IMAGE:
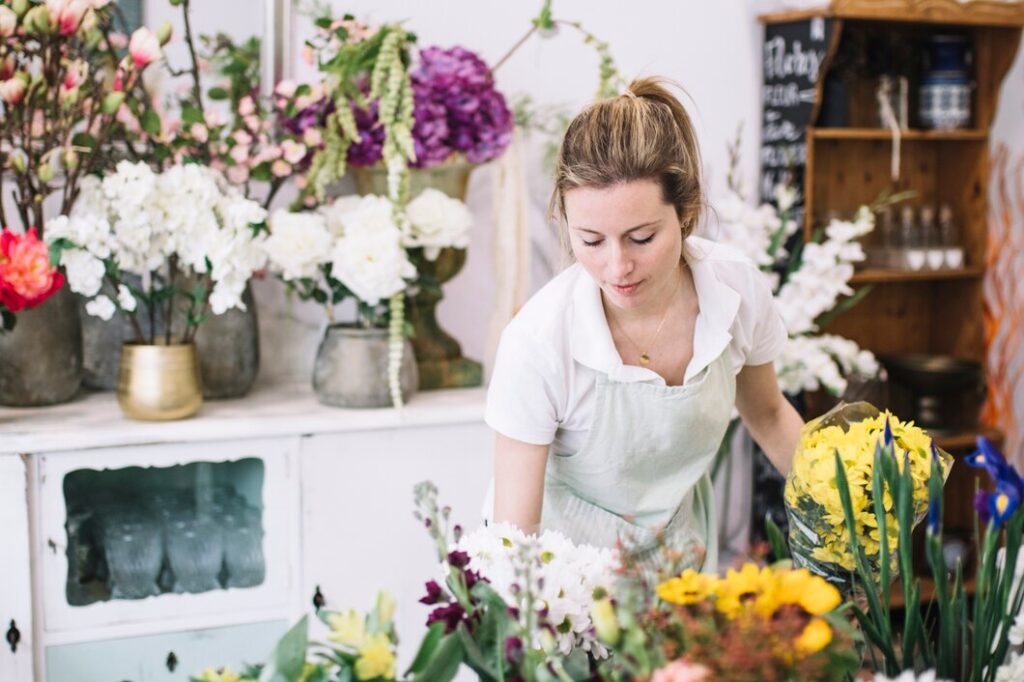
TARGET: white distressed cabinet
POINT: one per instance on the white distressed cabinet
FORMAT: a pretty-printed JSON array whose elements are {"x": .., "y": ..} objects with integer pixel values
[{"x": 332, "y": 490}]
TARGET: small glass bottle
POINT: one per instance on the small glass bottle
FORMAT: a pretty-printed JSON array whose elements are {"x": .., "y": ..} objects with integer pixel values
[
  {"x": 935, "y": 254},
  {"x": 953, "y": 250},
  {"x": 913, "y": 250},
  {"x": 889, "y": 252}
]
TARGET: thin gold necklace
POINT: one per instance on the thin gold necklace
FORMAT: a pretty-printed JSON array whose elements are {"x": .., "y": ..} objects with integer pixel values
[{"x": 645, "y": 356}]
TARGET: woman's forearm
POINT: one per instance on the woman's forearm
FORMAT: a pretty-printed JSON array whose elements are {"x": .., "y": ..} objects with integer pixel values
[{"x": 519, "y": 483}]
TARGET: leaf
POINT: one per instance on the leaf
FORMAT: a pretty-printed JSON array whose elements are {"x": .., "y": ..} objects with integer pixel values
[
  {"x": 150, "y": 122},
  {"x": 289, "y": 655},
  {"x": 444, "y": 663},
  {"x": 84, "y": 140},
  {"x": 825, "y": 318},
  {"x": 217, "y": 93},
  {"x": 191, "y": 114},
  {"x": 777, "y": 540},
  {"x": 427, "y": 647}
]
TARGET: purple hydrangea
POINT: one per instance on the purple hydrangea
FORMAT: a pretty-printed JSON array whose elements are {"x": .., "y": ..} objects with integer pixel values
[
  {"x": 370, "y": 147},
  {"x": 457, "y": 108}
]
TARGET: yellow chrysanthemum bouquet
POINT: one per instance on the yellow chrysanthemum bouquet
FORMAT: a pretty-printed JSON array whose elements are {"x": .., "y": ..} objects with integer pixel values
[
  {"x": 751, "y": 623},
  {"x": 866, "y": 441}
]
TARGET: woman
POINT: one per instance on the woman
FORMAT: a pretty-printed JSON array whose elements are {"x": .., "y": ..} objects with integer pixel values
[{"x": 613, "y": 386}]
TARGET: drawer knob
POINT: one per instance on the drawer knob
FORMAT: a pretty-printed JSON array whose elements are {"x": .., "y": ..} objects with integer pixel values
[
  {"x": 318, "y": 599},
  {"x": 172, "y": 661},
  {"x": 13, "y": 636}
]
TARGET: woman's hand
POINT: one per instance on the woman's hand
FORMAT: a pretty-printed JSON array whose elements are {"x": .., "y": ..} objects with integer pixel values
[
  {"x": 519, "y": 482},
  {"x": 769, "y": 417}
]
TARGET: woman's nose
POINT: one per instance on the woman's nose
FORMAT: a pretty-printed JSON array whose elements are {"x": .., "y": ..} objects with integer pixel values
[{"x": 621, "y": 264}]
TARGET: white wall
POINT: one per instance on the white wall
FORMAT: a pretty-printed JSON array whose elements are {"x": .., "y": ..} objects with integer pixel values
[{"x": 711, "y": 48}]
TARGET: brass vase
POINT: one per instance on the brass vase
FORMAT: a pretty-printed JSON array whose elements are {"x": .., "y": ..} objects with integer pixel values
[
  {"x": 158, "y": 382},
  {"x": 438, "y": 355}
]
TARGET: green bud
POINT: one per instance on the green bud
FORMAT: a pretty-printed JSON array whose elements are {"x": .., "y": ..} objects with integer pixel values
[
  {"x": 112, "y": 102},
  {"x": 70, "y": 159},
  {"x": 18, "y": 163},
  {"x": 45, "y": 172},
  {"x": 19, "y": 7},
  {"x": 164, "y": 33},
  {"x": 37, "y": 21},
  {"x": 175, "y": 3}
]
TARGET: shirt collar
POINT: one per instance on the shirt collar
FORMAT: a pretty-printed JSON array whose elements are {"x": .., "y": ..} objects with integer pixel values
[{"x": 592, "y": 343}]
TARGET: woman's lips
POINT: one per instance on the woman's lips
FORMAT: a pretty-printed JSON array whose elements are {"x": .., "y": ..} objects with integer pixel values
[{"x": 625, "y": 289}]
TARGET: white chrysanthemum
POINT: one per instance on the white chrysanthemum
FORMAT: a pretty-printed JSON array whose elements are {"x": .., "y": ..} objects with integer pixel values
[
  {"x": 84, "y": 271},
  {"x": 437, "y": 221},
  {"x": 569, "y": 575},
  {"x": 101, "y": 307},
  {"x": 298, "y": 244},
  {"x": 369, "y": 258}
]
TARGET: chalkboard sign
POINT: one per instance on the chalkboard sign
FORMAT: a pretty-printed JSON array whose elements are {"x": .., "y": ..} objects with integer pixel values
[{"x": 794, "y": 52}]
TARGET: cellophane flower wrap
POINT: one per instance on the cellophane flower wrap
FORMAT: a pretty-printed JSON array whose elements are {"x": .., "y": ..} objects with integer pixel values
[{"x": 818, "y": 535}]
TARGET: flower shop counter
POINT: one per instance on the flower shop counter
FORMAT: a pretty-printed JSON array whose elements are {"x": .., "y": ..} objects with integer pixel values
[{"x": 111, "y": 522}]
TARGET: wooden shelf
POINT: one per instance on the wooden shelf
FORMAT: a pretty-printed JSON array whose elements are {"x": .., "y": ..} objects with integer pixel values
[
  {"x": 882, "y": 275},
  {"x": 966, "y": 135},
  {"x": 927, "y": 591},
  {"x": 966, "y": 441},
  {"x": 978, "y": 12}
]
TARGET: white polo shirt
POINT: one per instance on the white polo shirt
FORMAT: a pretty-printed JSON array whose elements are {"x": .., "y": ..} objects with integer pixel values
[{"x": 542, "y": 389}]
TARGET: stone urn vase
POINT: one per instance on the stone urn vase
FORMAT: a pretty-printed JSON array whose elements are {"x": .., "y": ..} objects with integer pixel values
[
  {"x": 438, "y": 355},
  {"x": 41, "y": 358},
  {"x": 351, "y": 368}
]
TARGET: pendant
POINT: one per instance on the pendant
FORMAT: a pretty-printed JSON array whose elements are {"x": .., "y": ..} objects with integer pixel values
[{"x": 644, "y": 360}]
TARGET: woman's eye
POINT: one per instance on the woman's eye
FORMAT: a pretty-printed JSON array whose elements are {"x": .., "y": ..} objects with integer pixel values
[
  {"x": 646, "y": 240},
  {"x": 593, "y": 243}
]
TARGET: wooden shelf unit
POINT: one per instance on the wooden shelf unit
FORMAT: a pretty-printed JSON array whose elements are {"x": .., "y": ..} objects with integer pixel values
[
  {"x": 882, "y": 275},
  {"x": 906, "y": 135}
]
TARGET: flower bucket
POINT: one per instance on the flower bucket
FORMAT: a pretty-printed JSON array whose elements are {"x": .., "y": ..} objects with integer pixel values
[
  {"x": 159, "y": 382},
  {"x": 351, "y": 368},
  {"x": 41, "y": 358}
]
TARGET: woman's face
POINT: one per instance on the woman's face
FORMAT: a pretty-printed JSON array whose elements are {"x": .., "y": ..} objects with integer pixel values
[{"x": 628, "y": 239}]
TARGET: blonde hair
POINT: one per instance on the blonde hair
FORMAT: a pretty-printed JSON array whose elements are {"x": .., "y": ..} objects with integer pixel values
[{"x": 643, "y": 134}]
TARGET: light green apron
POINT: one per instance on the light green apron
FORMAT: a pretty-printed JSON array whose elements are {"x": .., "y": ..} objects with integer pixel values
[{"x": 644, "y": 468}]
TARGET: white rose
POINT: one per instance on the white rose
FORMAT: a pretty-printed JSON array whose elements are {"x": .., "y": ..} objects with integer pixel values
[
  {"x": 438, "y": 221},
  {"x": 101, "y": 307},
  {"x": 335, "y": 212},
  {"x": 298, "y": 244},
  {"x": 371, "y": 261}
]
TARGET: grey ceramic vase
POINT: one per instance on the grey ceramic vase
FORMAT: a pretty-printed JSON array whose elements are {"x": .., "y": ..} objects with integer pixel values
[
  {"x": 41, "y": 359},
  {"x": 351, "y": 368},
  {"x": 228, "y": 346}
]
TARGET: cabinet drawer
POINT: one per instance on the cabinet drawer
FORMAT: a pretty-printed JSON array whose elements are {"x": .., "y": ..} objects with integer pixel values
[{"x": 144, "y": 659}]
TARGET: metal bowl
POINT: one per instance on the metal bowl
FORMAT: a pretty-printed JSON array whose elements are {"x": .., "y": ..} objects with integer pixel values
[{"x": 933, "y": 374}]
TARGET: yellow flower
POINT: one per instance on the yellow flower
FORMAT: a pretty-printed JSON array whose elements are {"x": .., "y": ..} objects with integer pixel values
[
  {"x": 225, "y": 675},
  {"x": 385, "y": 608},
  {"x": 688, "y": 588},
  {"x": 740, "y": 588},
  {"x": 602, "y": 613},
  {"x": 815, "y": 637},
  {"x": 347, "y": 628},
  {"x": 376, "y": 659}
]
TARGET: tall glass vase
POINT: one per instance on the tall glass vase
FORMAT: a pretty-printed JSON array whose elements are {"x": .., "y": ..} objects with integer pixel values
[
  {"x": 438, "y": 355},
  {"x": 41, "y": 359}
]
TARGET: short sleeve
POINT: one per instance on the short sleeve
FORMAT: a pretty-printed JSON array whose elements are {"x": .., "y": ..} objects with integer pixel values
[
  {"x": 522, "y": 398},
  {"x": 769, "y": 333}
]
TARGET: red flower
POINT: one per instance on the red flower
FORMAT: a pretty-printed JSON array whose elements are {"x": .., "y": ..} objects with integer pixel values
[{"x": 26, "y": 278}]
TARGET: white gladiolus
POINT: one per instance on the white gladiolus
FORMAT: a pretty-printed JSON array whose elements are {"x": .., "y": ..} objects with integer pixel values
[{"x": 437, "y": 221}]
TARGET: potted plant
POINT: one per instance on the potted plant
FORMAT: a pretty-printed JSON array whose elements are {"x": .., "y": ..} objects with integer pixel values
[
  {"x": 190, "y": 240},
  {"x": 405, "y": 120},
  {"x": 364, "y": 248},
  {"x": 62, "y": 83}
]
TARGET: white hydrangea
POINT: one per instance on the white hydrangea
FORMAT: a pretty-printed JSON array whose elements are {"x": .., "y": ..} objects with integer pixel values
[
  {"x": 437, "y": 221},
  {"x": 101, "y": 307},
  {"x": 1012, "y": 670},
  {"x": 571, "y": 573},
  {"x": 136, "y": 219},
  {"x": 910, "y": 676},
  {"x": 125, "y": 298},
  {"x": 369, "y": 258}
]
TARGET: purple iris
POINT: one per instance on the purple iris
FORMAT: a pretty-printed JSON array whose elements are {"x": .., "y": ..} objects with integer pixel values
[{"x": 1001, "y": 504}]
